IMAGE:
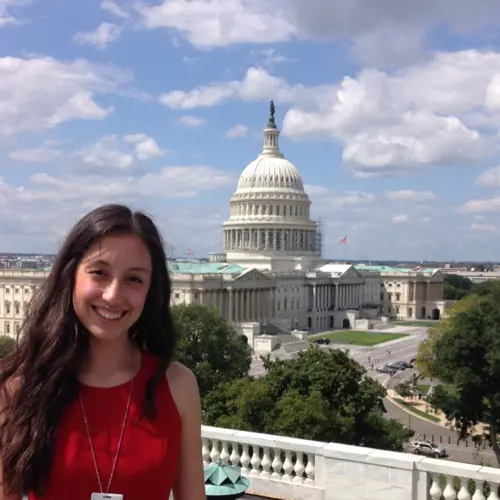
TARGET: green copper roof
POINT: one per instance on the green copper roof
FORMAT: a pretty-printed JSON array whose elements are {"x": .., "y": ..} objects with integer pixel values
[
  {"x": 223, "y": 480},
  {"x": 204, "y": 268},
  {"x": 389, "y": 269}
]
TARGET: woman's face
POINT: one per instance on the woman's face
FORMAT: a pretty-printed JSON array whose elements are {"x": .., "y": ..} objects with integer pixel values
[{"x": 111, "y": 285}]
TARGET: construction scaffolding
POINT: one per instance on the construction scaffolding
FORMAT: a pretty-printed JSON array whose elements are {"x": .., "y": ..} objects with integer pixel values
[{"x": 319, "y": 237}]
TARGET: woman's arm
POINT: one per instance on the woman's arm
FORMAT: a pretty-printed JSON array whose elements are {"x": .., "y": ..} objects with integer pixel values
[{"x": 190, "y": 481}]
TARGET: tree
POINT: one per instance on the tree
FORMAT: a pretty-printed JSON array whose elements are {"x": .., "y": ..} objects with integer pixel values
[
  {"x": 6, "y": 345},
  {"x": 463, "y": 353},
  {"x": 405, "y": 389},
  {"x": 209, "y": 346},
  {"x": 456, "y": 287},
  {"x": 321, "y": 395}
]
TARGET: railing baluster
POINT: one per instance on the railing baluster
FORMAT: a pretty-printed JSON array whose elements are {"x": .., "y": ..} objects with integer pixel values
[
  {"x": 205, "y": 451},
  {"x": 479, "y": 493},
  {"x": 288, "y": 467},
  {"x": 277, "y": 464},
  {"x": 299, "y": 468},
  {"x": 266, "y": 463},
  {"x": 245, "y": 460},
  {"x": 435, "y": 492},
  {"x": 464, "y": 494},
  {"x": 449, "y": 492},
  {"x": 255, "y": 461},
  {"x": 224, "y": 454},
  {"x": 235, "y": 455},
  {"x": 214, "y": 453}
]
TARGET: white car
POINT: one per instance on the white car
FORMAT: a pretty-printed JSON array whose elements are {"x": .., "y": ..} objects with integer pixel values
[{"x": 427, "y": 448}]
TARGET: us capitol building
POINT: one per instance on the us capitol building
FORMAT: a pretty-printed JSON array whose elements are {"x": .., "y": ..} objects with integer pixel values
[{"x": 270, "y": 276}]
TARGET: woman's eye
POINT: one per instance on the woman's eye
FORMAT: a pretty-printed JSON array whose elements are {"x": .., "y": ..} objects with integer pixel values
[
  {"x": 96, "y": 272},
  {"x": 136, "y": 279}
]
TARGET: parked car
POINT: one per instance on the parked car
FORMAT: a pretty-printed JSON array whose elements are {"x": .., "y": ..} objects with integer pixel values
[
  {"x": 427, "y": 448},
  {"x": 399, "y": 365},
  {"x": 385, "y": 369},
  {"x": 322, "y": 341}
]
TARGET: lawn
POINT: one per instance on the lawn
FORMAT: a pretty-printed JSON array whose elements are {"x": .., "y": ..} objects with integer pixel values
[
  {"x": 416, "y": 411},
  {"x": 360, "y": 338},
  {"x": 416, "y": 323},
  {"x": 424, "y": 388}
]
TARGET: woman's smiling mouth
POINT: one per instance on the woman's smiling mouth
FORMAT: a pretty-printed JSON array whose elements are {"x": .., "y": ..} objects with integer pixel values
[{"x": 107, "y": 315}]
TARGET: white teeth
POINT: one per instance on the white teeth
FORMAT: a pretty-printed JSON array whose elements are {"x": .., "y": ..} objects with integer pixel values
[{"x": 106, "y": 315}]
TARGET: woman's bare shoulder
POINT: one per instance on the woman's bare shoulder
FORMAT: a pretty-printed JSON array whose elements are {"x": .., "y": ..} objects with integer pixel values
[{"x": 183, "y": 386}]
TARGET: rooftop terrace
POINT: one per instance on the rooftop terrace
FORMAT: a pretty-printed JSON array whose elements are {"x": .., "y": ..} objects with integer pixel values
[{"x": 289, "y": 468}]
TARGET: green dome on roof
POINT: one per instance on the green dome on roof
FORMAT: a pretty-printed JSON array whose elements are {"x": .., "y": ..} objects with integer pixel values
[{"x": 224, "y": 481}]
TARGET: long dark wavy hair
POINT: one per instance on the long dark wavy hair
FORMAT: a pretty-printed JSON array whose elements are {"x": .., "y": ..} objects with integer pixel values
[{"x": 39, "y": 377}]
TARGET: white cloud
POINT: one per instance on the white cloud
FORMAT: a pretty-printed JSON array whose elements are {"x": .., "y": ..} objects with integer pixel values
[
  {"x": 367, "y": 25},
  {"x": 189, "y": 61},
  {"x": 481, "y": 206},
  {"x": 490, "y": 178},
  {"x": 400, "y": 219},
  {"x": 257, "y": 85},
  {"x": 324, "y": 199},
  {"x": 269, "y": 58},
  {"x": 482, "y": 227},
  {"x": 105, "y": 155},
  {"x": 169, "y": 182},
  {"x": 237, "y": 132},
  {"x": 40, "y": 93},
  {"x": 217, "y": 23},
  {"x": 101, "y": 37},
  {"x": 135, "y": 138},
  {"x": 148, "y": 149},
  {"x": 191, "y": 121},
  {"x": 113, "y": 8},
  {"x": 28, "y": 227},
  {"x": 35, "y": 155},
  {"x": 413, "y": 196},
  {"x": 419, "y": 116},
  {"x": 6, "y": 7},
  {"x": 111, "y": 154}
]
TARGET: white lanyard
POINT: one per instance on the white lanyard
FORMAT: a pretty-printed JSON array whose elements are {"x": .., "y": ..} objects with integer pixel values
[{"x": 120, "y": 441}]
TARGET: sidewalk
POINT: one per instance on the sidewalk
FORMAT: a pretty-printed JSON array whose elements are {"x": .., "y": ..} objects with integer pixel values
[{"x": 424, "y": 407}]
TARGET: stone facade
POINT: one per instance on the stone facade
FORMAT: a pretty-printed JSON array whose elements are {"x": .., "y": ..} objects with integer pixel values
[
  {"x": 17, "y": 288},
  {"x": 405, "y": 293}
]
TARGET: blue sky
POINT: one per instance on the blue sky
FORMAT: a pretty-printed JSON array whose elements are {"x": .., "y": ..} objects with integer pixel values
[{"x": 390, "y": 110}]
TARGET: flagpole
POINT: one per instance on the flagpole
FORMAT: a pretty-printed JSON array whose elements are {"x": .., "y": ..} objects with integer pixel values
[{"x": 343, "y": 241}]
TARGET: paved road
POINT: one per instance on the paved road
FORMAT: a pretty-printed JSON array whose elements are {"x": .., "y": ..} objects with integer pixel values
[{"x": 439, "y": 434}]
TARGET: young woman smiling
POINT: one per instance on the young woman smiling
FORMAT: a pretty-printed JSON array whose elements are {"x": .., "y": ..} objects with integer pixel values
[{"x": 93, "y": 407}]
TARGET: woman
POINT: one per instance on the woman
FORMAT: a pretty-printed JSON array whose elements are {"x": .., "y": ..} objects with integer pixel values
[{"x": 92, "y": 405}]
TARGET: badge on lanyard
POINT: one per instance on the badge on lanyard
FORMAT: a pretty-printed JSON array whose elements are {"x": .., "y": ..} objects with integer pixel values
[{"x": 106, "y": 496}]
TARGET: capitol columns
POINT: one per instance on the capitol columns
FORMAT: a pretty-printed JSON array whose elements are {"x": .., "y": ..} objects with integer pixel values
[
  {"x": 247, "y": 304},
  {"x": 230, "y": 304}
]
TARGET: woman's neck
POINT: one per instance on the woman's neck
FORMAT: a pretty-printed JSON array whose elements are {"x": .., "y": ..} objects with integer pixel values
[{"x": 110, "y": 363}]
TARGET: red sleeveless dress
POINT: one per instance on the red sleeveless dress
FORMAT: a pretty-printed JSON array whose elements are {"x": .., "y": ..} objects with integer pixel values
[{"x": 148, "y": 461}]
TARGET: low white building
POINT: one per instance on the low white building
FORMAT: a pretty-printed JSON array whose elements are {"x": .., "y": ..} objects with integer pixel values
[{"x": 405, "y": 293}]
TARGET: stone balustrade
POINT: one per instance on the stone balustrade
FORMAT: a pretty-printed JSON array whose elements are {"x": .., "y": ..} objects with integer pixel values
[{"x": 292, "y": 468}]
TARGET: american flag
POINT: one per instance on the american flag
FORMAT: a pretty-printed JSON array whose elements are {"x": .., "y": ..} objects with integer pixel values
[
  {"x": 343, "y": 240},
  {"x": 190, "y": 252}
]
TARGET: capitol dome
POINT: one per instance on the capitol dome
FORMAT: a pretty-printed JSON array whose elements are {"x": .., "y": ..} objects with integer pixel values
[
  {"x": 270, "y": 172},
  {"x": 270, "y": 211}
]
